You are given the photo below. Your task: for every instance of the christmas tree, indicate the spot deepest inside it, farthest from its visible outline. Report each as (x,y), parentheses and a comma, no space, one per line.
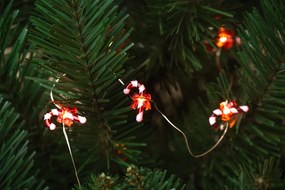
(165,94)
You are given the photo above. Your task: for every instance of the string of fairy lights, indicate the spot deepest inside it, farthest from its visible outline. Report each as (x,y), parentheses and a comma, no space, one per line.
(229,111)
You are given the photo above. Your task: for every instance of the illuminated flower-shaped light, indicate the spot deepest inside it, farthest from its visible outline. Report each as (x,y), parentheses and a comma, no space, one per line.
(225,38)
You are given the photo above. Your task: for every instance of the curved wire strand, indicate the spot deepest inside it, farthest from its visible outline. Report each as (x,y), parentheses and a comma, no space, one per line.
(51,91)
(185,138)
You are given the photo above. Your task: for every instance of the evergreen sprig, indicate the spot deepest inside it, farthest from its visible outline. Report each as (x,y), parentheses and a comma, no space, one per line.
(15,66)
(265,174)
(17,104)
(262,74)
(135,179)
(16,159)
(178,32)
(83,44)
(260,132)
(258,83)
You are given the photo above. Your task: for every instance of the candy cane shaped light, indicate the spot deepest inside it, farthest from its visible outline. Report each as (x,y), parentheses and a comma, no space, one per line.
(226,111)
(64,115)
(140,101)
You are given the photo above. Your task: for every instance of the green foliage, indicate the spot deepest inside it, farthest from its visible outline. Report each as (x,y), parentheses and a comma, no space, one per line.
(15,67)
(17,170)
(16,102)
(262,175)
(136,179)
(86,42)
(83,39)
(261,82)
(157,179)
(24,7)
(262,74)
(178,33)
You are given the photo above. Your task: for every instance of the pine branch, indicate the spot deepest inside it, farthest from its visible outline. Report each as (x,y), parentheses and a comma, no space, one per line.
(264,174)
(17,106)
(260,133)
(15,66)
(88,54)
(86,41)
(17,170)
(178,31)
(264,56)
(135,178)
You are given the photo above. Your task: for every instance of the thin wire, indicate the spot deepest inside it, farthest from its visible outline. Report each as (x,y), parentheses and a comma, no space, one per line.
(70,152)
(185,138)
(51,92)
(64,132)
(121,82)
